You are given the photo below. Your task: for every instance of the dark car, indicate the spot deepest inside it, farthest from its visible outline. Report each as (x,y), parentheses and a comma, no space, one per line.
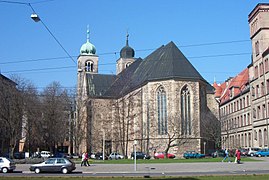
(140,155)
(54,165)
(192,154)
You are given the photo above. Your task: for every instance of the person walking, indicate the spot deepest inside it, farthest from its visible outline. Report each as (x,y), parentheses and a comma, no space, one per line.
(226,156)
(238,156)
(235,155)
(86,159)
(83,159)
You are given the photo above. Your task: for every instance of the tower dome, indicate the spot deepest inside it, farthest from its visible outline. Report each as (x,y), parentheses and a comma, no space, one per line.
(127,51)
(87,48)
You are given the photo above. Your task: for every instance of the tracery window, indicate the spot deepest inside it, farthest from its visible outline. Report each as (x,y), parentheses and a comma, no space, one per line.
(162,111)
(185,111)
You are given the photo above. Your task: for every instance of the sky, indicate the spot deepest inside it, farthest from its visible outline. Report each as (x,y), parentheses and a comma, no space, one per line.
(212,34)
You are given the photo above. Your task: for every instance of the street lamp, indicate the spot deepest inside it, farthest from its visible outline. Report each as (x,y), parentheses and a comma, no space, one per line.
(35,17)
(135,143)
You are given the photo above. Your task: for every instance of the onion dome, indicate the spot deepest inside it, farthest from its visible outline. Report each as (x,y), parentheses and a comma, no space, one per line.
(87,48)
(127,51)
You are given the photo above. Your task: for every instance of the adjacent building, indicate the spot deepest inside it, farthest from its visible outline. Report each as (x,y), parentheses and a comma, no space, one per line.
(243,100)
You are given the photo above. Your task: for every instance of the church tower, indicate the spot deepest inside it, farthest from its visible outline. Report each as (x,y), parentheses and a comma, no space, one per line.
(126,57)
(87,64)
(259,30)
(88,60)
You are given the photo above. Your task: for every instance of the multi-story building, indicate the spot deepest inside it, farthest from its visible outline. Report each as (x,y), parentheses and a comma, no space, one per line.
(244,105)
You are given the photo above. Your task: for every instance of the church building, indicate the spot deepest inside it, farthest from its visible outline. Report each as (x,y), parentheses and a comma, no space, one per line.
(158,104)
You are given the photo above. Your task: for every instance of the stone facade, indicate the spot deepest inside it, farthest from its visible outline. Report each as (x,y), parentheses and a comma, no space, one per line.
(244,99)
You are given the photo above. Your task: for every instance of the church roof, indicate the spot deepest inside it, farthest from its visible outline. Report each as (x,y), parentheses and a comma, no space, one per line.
(167,62)
(98,84)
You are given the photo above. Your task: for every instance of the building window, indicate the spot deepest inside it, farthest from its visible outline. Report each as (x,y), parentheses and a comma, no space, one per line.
(266,67)
(254,113)
(262,89)
(265,135)
(256,72)
(162,111)
(128,64)
(89,66)
(267,86)
(261,69)
(185,111)
(258,112)
(257,91)
(263,111)
(260,138)
(257,48)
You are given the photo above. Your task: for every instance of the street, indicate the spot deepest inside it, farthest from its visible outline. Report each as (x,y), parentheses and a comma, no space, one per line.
(169,169)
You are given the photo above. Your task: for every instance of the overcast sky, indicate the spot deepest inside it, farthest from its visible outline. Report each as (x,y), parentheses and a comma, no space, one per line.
(212,34)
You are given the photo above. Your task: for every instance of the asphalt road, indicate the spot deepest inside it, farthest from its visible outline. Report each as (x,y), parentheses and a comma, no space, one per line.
(170,169)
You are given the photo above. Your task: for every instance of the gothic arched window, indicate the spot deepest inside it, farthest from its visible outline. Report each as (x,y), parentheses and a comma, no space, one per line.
(162,111)
(89,66)
(185,111)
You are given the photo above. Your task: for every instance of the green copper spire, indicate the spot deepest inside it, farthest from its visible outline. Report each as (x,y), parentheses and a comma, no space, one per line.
(87,48)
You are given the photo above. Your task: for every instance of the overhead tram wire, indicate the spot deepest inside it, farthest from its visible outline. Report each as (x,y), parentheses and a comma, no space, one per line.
(53,36)
(29,4)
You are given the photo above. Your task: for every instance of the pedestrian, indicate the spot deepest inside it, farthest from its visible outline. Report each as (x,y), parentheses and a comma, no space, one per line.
(83,159)
(86,159)
(238,156)
(235,155)
(226,156)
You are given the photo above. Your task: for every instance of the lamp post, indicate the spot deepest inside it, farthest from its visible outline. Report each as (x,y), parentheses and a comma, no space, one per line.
(204,147)
(135,143)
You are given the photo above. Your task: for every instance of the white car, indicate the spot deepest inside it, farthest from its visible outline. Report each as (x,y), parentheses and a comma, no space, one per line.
(45,154)
(115,155)
(7,165)
(252,151)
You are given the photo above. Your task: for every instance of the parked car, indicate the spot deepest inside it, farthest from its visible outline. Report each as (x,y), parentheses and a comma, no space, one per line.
(115,155)
(218,153)
(193,154)
(19,155)
(244,152)
(140,155)
(45,154)
(54,165)
(162,155)
(98,156)
(262,152)
(252,151)
(7,165)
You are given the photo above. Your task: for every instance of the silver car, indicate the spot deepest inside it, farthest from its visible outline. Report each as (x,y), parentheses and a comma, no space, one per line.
(54,165)
(7,165)
(115,155)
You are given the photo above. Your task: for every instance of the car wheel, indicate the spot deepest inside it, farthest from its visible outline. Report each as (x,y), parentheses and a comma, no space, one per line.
(251,154)
(37,170)
(4,170)
(260,155)
(64,171)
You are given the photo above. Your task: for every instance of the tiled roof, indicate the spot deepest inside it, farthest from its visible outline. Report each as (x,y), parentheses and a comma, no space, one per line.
(237,84)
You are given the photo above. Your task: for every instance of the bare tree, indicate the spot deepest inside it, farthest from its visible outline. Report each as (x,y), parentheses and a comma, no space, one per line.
(55,104)
(211,128)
